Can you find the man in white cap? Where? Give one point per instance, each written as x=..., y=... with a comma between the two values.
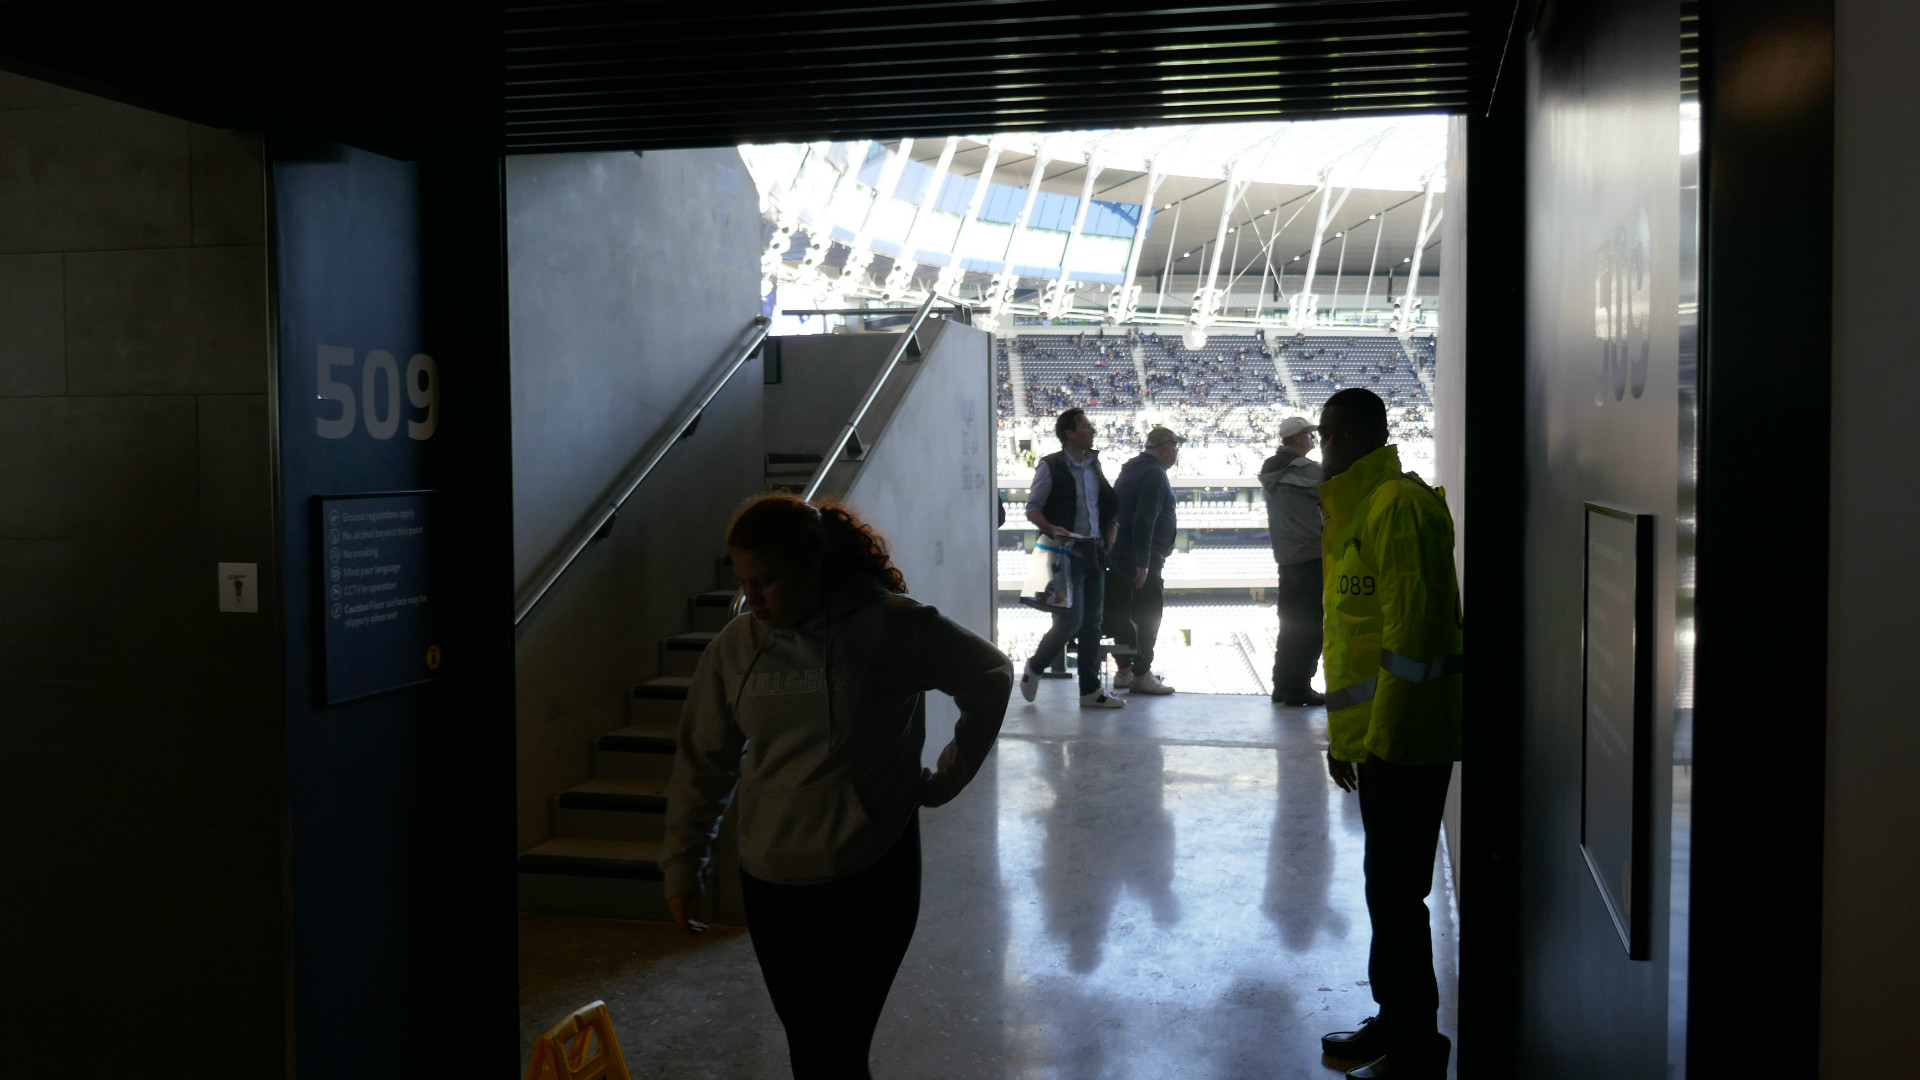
x=1136, y=594
x=1292, y=481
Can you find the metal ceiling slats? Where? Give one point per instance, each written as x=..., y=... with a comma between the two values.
x=652, y=74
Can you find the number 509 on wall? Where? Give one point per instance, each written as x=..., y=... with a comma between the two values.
x=381, y=410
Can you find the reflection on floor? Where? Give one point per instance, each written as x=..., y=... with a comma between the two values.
x=1170, y=891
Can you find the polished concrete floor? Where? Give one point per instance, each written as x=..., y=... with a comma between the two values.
x=1168, y=891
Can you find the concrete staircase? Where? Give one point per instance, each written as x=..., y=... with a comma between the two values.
x=603, y=857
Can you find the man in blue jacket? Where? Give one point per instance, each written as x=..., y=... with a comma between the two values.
x=1136, y=592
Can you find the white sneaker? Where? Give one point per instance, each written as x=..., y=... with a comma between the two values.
x=1123, y=679
x=1100, y=699
x=1029, y=681
x=1149, y=683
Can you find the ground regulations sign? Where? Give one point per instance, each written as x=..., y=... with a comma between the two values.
x=1616, y=766
x=376, y=593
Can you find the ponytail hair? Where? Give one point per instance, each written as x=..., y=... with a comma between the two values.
x=796, y=532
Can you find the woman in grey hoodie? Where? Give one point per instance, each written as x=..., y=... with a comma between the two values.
x=813, y=709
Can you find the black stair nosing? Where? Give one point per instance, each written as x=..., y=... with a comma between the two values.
x=793, y=459
x=620, y=801
x=583, y=866
x=660, y=692
x=639, y=744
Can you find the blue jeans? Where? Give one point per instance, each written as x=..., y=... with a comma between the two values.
x=1089, y=603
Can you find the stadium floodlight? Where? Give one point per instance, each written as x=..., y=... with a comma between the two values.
x=1408, y=259
x=1370, y=217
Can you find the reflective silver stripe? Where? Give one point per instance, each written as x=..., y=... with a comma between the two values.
x=1415, y=671
x=1348, y=696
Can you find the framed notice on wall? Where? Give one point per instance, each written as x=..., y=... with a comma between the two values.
x=376, y=593
x=1617, y=723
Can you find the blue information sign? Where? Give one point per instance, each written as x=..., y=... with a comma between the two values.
x=376, y=592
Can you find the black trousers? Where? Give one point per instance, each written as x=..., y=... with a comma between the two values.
x=1134, y=614
x=1400, y=807
x=829, y=953
x=1297, y=652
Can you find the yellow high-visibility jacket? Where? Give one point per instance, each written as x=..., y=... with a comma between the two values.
x=1392, y=603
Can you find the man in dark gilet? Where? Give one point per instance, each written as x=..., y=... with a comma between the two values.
x=1071, y=502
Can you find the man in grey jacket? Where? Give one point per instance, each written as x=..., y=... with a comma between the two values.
x=1136, y=592
x=1292, y=481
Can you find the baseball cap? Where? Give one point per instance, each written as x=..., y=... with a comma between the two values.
x=1161, y=436
x=1294, y=425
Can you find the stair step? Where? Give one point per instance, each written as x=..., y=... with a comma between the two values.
x=617, y=878
x=793, y=459
x=681, y=653
x=575, y=857
x=641, y=751
x=711, y=610
x=612, y=809
x=666, y=687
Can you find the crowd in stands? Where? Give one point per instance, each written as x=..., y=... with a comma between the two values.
x=1228, y=397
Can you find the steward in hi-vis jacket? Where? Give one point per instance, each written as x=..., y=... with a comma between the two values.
x=1392, y=624
x=1393, y=663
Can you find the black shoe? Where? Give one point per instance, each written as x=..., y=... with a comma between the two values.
x=1365, y=1043
x=1309, y=698
x=1401, y=1063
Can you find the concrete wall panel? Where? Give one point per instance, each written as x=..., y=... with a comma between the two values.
x=926, y=486
x=228, y=200
x=165, y=321
x=632, y=278
x=32, y=325
x=141, y=783
x=91, y=177
x=1870, y=971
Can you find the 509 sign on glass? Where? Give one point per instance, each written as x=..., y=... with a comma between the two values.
x=377, y=403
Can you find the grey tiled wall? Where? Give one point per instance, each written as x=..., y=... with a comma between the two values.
x=139, y=739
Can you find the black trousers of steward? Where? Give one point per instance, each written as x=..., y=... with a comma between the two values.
x=829, y=953
x=1401, y=807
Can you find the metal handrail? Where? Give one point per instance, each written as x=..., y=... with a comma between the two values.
x=603, y=520
x=831, y=458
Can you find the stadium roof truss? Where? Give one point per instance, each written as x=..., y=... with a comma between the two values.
x=1036, y=247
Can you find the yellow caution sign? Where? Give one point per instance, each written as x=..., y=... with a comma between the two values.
x=433, y=657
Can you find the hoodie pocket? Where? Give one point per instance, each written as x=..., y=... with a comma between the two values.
x=801, y=834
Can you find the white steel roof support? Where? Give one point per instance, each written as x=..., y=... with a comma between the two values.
x=1408, y=314
x=949, y=277
x=1124, y=304
x=860, y=252
x=784, y=200
x=1206, y=299
x=1173, y=237
x=1058, y=299
x=820, y=237
x=899, y=283
x=1000, y=290
x=1303, y=311
x=1366, y=302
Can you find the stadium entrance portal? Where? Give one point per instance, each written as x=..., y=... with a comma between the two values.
x=1216, y=280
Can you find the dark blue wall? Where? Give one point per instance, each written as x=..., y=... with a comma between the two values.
x=399, y=815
